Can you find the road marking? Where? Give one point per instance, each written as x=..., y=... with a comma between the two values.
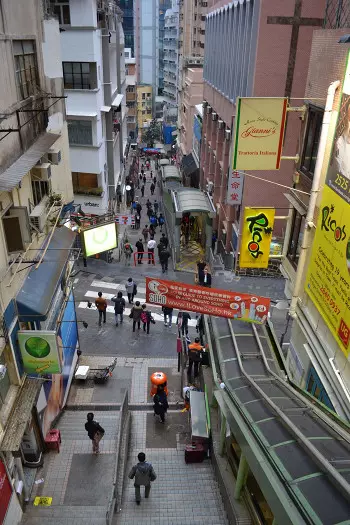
x=120, y=287
x=109, y=296
x=157, y=317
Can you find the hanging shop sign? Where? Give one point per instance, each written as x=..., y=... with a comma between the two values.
x=235, y=188
x=258, y=140
x=328, y=278
x=211, y=301
x=126, y=220
x=39, y=351
x=99, y=239
x=256, y=237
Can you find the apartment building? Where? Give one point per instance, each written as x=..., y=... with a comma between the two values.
x=163, y=6
x=317, y=357
x=144, y=106
x=92, y=44
x=190, y=79
x=146, y=23
x=35, y=188
x=264, y=32
x=131, y=100
x=127, y=7
x=171, y=57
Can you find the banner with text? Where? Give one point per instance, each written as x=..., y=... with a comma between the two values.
x=235, y=188
x=259, y=132
x=328, y=278
x=211, y=301
x=256, y=237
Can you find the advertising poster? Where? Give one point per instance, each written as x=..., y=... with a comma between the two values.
x=39, y=351
x=211, y=301
x=126, y=220
x=258, y=140
x=328, y=278
x=5, y=492
x=257, y=226
x=99, y=239
x=235, y=188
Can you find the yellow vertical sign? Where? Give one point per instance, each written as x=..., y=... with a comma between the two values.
x=256, y=237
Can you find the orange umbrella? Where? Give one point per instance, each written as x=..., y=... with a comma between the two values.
x=158, y=378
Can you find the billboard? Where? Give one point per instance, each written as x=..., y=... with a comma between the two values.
x=99, y=239
x=257, y=226
x=39, y=351
x=211, y=301
x=328, y=277
x=259, y=132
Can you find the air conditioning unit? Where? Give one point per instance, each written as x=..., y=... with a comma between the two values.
x=55, y=156
x=210, y=187
x=42, y=171
x=221, y=124
x=214, y=116
x=227, y=134
x=38, y=216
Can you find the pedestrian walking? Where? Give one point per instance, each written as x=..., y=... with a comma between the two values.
x=135, y=315
x=144, y=474
x=131, y=290
x=160, y=247
x=137, y=221
x=151, y=174
x=145, y=233
x=164, y=259
x=140, y=250
x=184, y=317
x=152, y=188
x=95, y=432
x=141, y=176
x=148, y=204
x=119, y=307
x=133, y=207
x=156, y=206
x=142, y=190
x=138, y=208
x=153, y=220
x=149, y=213
x=150, y=248
x=161, y=404
x=164, y=240
x=168, y=313
x=144, y=179
x=161, y=221
x=194, y=357
x=128, y=251
x=142, y=167
x=146, y=318
x=101, y=305
x=204, y=278
x=214, y=238
x=154, y=180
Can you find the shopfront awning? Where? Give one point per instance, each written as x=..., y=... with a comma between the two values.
x=117, y=100
x=11, y=177
x=35, y=298
x=189, y=164
x=21, y=413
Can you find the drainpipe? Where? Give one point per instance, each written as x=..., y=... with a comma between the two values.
x=107, y=91
x=309, y=225
x=119, y=88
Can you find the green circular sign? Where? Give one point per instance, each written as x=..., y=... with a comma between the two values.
x=100, y=235
x=37, y=347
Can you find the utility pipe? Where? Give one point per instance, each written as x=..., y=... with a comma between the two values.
x=313, y=197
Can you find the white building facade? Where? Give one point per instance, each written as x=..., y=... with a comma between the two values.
x=171, y=55
x=92, y=43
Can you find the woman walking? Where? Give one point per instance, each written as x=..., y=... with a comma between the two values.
x=135, y=315
x=161, y=404
x=95, y=432
x=131, y=289
x=146, y=318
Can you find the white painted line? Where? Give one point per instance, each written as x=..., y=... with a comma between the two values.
x=115, y=286
x=109, y=296
x=157, y=317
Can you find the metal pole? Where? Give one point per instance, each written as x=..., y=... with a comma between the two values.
x=241, y=476
x=222, y=435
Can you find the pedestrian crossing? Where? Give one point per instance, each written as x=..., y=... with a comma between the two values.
x=141, y=296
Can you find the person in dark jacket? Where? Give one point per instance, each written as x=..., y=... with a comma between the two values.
x=204, y=278
x=152, y=188
x=140, y=250
x=184, y=317
x=138, y=208
x=144, y=474
x=146, y=318
x=167, y=312
x=164, y=240
x=145, y=233
x=156, y=206
x=144, y=179
x=95, y=432
x=142, y=190
x=136, y=315
x=119, y=307
x=149, y=213
x=161, y=221
x=164, y=258
x=160, y=401
x=148, y=204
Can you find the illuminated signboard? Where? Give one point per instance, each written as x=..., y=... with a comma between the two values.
x=99, y=239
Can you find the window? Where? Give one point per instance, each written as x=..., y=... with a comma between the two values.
x=311, y=142
x=16, y=228
x=297, y=230
x=26, y=67
x=148, y=95
x=84, y=180
x=61, y=10
x=130, y=89
x=40, y=188
x=80, y=132
x=79, y=75
x=143, y=96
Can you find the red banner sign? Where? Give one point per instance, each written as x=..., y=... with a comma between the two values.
x=211, y=301
x=5, y=492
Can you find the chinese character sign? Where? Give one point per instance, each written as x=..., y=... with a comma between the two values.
x=260, y=124
x=211, y=301
x=256, y=237
x=235, y=188
x=126, y=220
x=328, y=278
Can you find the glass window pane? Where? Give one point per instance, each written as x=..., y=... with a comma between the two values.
x=85, y=67
x=57, y=11
x=68, y=81
x=28, y=46
x=67, y=67
x=66, y=14
x=77, y=81
x=17, y=47
x=76, y=67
